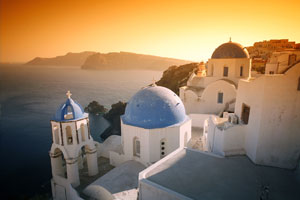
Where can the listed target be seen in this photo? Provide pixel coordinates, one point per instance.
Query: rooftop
(119, 183)
(230, 50)
(199, 175)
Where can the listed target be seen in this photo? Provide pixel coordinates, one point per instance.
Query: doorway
(245, 113)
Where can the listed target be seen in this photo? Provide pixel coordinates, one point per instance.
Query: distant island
(110, 61)
(70, 59)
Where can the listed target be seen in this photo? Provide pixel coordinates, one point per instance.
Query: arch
(82, 132)
(136, 147)
(87, 159)
(55, 134)
(54, 147)
(89, 146)
(69, 135)
(163, 145)
(69, 114)
(58, 163)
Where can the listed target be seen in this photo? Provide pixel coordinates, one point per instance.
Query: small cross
(68, 94)
(153, 82)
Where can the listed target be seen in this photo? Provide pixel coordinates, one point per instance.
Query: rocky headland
(126, 60)
(177, 76)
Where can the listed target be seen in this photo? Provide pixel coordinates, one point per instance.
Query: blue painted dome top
(70, 110)
(154, 107)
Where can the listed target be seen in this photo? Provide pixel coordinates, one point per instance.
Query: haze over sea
(29, 97)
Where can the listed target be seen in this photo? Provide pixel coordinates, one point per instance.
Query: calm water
(29, 97)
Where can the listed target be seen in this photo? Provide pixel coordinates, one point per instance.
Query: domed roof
(70, 110)
(230, 50)
(154, 107)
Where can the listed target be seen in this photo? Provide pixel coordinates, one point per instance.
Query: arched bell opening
(58, 163)
(87, 161)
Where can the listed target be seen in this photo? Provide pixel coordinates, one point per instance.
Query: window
(299, 84)
(225, 72)
(162, 148)
(292, 59)
(82, 131)
(245, 113)
(69, 114)
(241, 70)
(69, 135)
(220, 97)
(271, 72)
(136, 147)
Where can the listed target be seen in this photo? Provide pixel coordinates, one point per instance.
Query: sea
(30, 96)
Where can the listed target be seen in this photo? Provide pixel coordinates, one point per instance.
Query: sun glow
(188, 30)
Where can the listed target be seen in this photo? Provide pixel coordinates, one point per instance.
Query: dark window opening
(271, 72)
(241, 70)
(299, 84)
(225, 72)
(136, 147)
(245, 113)
(220, 97)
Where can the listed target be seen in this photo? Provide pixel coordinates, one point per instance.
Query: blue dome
(70, 110)
(154, 107)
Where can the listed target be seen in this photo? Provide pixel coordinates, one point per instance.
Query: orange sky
(181, 29)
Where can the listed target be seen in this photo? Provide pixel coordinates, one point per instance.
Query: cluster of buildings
(227, 135)
(263, 52)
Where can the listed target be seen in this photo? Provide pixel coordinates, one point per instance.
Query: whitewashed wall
(272, 134)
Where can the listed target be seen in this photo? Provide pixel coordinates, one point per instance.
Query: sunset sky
(188, 30)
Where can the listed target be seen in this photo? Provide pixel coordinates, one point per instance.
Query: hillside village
(230, 133)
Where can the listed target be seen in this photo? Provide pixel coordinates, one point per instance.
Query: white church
(249, 133)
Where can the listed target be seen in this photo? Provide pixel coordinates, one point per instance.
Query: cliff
(113, 116)
(70, 59)
(177, 76)
(125, 60)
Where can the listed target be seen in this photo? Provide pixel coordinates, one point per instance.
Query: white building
(154, 125)
(280, 61)
(265, 122)
(72, 146)
(216, 92)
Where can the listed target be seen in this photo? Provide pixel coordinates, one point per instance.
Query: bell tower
(72, 145)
